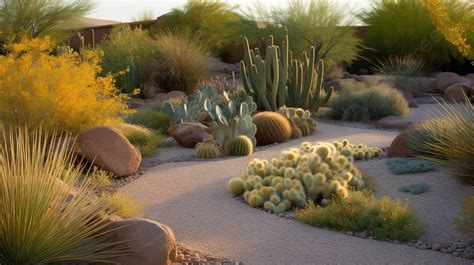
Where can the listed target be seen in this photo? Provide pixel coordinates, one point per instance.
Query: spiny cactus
(280, 80)
(272, 128)
(240, 146)
(300, 118)
(403, 165)
(208, 149)
(357, 151)
(296, 132)
(313, 172)
(236, 186)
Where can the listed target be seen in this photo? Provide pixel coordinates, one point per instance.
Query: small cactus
(236, 186)
(208, 149)
(300, 118)
(240, 146)
(272, 128)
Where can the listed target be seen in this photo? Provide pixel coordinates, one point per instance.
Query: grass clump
(357, 102)
(383, 218)
(145, 140)
(123, 205)
(403, 165)
(150, 118)
(465, 220)
(447, 140)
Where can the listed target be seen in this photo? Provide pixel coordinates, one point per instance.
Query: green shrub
(402, 165)
(145, 140)
(309, 23)
(358, 102)
(447, 139)
(383, 218)
(402, 27)
(181, 62)
(465, 220)
(123, 205)
(150, 118)
(124, 45)
(40, 223)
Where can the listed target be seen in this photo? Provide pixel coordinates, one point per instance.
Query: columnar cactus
(313, 172)
(208, 149)
(300, 118)
(240, 146)
(272, 128)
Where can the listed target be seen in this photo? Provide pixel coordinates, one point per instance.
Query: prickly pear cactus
(300, 118)
(315, 172)
(357, 151)
(208, 149)
(240, 146)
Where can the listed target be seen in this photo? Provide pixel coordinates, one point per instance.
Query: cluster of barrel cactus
(357, 151)
(316, 172)
(302, 123)
(278, 79)
(240, 146)
(208, 149)
(272, 127)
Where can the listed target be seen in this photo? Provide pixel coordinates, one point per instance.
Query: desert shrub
(208, 21)
(333, 70)
(61, 93)
(415, 188)
(145, 140)
(465, 220)
(181, 63)
(321, 24)
(123, 205)
(150, 118)
(401, 27)
(447, 139)
(358, 102)
(383, 218)
(403, 165)
(123, 46)
(39, 222)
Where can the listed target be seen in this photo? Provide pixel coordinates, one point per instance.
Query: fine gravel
(192, 198)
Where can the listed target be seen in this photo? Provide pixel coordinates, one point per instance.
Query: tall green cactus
(279, 80)
(132, 79)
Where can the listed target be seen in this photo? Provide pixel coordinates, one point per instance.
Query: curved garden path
(192, 198)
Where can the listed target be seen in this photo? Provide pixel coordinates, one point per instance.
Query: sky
(125, 10)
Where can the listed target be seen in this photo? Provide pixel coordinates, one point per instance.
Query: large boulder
(446, 79)
(456, 92)
(109, 149)
(150, 242)
(393, 122)
(427, 85)
(188, 134)
(399, 146)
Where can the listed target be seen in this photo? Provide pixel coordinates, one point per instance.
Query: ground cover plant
(402, 165)
(383, 218)
(359, 102)
(447, 140)
(122, 205)
(144, 139)
(39, 221)
(60, 93)
(151, 118)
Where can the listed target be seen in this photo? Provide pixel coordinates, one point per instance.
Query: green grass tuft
(145, 140)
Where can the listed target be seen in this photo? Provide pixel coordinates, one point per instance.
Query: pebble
(436, 247)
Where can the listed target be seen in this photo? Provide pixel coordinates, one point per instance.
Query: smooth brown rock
(393, 122)
(399, 146)
(109, 149)
(149, 91)
(427, 85)
(172, 95)
(446, 79)
(457, 92)
(150, 242)
(189, 134)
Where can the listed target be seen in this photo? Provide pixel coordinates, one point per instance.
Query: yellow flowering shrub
(62, 93)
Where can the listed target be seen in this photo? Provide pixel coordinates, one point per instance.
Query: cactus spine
(272, 128)
(240, 146)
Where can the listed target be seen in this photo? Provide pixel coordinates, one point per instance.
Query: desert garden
(217, 135)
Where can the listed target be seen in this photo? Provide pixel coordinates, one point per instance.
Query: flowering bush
(61, 93)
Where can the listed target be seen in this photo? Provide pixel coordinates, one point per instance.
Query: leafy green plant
(374, 102)
(321, 24)
(181, 62)
(145, 140)
(447, 139)
(40, 222)
(383, 218)
(465, 220)
(415, 188)
(403, 165)
(149, 118)
(123, 205)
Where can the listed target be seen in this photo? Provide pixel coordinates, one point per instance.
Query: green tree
(35, 18)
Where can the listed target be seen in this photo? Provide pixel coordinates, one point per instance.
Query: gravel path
(191, 197)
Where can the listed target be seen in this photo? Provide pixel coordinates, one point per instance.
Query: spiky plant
(448, 139)
(40, 223)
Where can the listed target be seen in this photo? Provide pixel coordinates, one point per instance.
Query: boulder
(189, 134)
(427, 85)
(150, 242)
(393, 122)
(399, 146)
(149, 91)
(68, 191)
(172, 95)
(456, 92)
(446, 79)
(109, 149)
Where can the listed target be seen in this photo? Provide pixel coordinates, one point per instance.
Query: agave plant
(448, 140)
(40, 223)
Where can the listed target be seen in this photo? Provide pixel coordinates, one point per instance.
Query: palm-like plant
(448, 140)
(39, 221)
(35, 18)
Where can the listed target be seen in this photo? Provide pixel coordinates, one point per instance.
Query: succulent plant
(272, 128)
(300, 118)
(415, 188)
(357, 151)
(296, 132)
(280, 80)
(236, 186)
(208, 149)
(403, 165)
(240, 146)
(315, 172)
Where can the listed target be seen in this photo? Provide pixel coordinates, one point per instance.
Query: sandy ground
(191, 197)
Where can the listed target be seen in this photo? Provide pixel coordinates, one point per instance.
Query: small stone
(350, 233)
(443, 250)
(456, 254)
(436, 247)
(469, 256)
